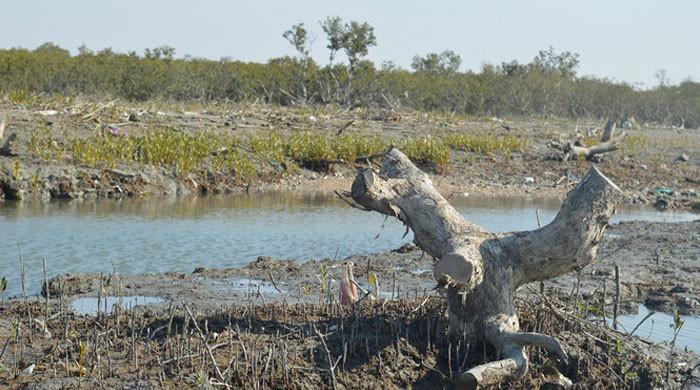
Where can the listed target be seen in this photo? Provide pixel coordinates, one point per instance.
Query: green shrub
(428, 151)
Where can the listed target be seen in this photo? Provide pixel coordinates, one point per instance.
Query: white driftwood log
(479, 270)
(591, 151)
(609, 142)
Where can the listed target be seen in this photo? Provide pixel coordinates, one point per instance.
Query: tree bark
(479, 271)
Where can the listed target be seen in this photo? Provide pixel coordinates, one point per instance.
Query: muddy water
(142, 236)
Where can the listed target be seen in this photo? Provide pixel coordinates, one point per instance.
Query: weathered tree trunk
(479, 270)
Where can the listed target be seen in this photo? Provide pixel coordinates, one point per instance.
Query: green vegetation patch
(253, 156)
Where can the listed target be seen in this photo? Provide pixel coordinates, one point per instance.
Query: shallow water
(659, 328)
(89, 305)
(146, 236)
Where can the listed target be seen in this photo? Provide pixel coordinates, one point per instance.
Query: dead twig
(100, 108)
(345, 126)
(204, 341)
(274, 283)
(419, 306)
(345, 197)
(331, 365)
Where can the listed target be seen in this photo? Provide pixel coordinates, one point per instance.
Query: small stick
(99, 298)
(605, 322)
(204, 341)
(345, 126)
(331, 366)
(419, 306)
(21, 275)
(47, 293)
(617, 296)
(651, 313)
(274, 284)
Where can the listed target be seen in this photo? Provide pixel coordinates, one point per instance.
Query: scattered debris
(662, 203)
(29, 370)
(609, 141)
(7, 148)
(663, 191)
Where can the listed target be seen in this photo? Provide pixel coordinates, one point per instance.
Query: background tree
(355, 39)
(298, 37)
(335, 33)
(549, 60)
(160, 53)
(548, 85)
(445, 63)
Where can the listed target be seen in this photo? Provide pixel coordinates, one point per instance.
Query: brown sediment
(374, 344)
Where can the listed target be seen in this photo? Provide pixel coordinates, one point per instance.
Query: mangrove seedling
(324, 272)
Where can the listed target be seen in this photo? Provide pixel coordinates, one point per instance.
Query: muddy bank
(373, 345)
(659, 266)
(649, 167)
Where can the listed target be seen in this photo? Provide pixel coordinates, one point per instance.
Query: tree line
(548, 85)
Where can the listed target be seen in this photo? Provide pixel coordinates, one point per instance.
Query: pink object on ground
(348, 290)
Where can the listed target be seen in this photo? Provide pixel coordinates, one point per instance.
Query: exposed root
(549, 343)
(502, 333)
(512, 366)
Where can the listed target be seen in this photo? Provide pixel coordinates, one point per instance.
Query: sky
(623, 40)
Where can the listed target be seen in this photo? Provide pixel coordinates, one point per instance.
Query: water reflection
(170, 207)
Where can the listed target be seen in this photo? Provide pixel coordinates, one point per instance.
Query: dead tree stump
(480, 271)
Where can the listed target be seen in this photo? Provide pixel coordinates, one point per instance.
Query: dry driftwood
(609, 142)
(479, 270)
(591, 151)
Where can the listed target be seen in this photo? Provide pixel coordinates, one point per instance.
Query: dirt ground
(376, 344)
(641, 167)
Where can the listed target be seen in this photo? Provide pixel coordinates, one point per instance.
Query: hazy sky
(625, 40)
